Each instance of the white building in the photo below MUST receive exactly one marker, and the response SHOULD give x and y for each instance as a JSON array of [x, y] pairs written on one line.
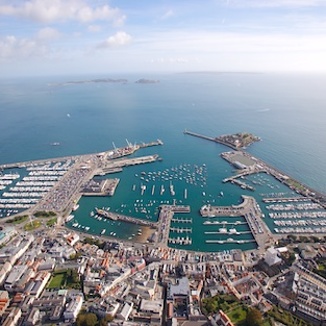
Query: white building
[[271, 257], [4, 270], [14, 276], [73, 308], [125, 311], [13, 317]]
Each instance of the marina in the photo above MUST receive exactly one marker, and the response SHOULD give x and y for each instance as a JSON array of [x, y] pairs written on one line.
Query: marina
[[180, 240], [253, 215], [291, 149], [159, 195]]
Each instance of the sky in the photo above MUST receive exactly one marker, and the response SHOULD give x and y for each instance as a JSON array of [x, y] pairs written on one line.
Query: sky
[[53, 37]]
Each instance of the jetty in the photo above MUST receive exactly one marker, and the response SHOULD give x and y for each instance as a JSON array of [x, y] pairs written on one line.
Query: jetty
[[187, 132], [119, 217], [234, 141], [250, 210], [163, 228], [154, 143], [250, 165], [56, 184]]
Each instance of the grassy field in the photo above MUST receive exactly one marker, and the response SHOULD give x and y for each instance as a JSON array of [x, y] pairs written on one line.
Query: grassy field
[[67, 279], [57, 281], [238, 314], [51, 222], [32, 225]]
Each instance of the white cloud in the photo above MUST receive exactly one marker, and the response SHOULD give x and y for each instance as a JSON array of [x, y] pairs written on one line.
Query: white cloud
[[47, 11], [12, 48], [203, 42], [233, 51], [47, 33], [117, 40]]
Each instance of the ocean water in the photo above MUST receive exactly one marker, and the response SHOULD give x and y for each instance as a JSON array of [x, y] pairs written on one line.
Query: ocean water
[[287, 111]]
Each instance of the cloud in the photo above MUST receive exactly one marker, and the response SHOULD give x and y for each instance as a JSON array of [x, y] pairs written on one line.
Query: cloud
[[47, 33], [117, 40], [12, 48], [216, 42], [48, 11]]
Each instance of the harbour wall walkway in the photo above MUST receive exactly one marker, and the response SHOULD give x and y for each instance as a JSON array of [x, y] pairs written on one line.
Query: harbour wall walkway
[[216, 140], [261, 166]]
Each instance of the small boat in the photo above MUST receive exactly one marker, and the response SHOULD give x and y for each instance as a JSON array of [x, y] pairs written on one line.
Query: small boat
[[162, 190], [103, 231], [69, 218], [233, 231]]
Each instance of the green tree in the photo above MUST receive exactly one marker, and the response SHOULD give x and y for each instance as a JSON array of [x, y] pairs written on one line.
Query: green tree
[[86, 319], [254, 317], [104, 321]]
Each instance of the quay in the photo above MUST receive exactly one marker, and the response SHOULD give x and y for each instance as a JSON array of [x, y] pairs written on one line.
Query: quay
[[101, 188], [109, 154], [187, 132], [125, 218], [27, 164], [216, 140], [120, 163], [253, 215], [110, 171], [180, 208], [153, 143], [71, 174], [242, 185], [256, 166], [165, 217]]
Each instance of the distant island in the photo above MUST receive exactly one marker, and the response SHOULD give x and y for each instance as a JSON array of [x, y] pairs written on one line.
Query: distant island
[[146, 81], [98, 80], [105, 80], [238, 140], [90, 81]]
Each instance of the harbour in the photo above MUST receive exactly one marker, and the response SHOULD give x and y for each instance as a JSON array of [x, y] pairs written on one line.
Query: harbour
[[179, 152], [168, 228]]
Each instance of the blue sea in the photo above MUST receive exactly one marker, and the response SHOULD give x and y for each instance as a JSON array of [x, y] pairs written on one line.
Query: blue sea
[[287, 111]]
